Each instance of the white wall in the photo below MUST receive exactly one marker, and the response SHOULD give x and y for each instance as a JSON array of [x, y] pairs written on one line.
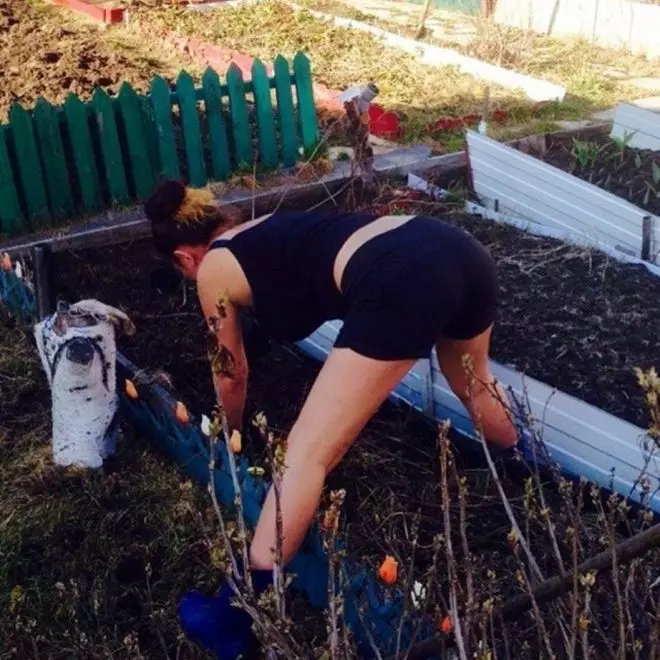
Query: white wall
[[613, 23]]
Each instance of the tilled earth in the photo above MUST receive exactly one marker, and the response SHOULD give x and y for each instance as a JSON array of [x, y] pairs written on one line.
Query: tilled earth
[[632, 174], [566, 315], [50, 52]]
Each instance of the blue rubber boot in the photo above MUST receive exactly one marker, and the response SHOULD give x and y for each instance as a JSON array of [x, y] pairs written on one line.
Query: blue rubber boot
[[219, 626]]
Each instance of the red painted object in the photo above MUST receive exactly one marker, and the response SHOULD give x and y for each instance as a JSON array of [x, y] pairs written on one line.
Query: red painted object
[[108, 15], [384, 124], [220, 59]]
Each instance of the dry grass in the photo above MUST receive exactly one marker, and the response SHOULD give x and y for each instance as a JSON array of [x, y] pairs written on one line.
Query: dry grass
[[340, 58], [90, 566], [595, 77]]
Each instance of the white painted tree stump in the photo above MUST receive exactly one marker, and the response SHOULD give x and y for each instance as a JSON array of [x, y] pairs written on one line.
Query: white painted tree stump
[[77, 347]]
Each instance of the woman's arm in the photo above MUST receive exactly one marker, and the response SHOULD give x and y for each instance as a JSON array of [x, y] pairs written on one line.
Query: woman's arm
[[230, 384]]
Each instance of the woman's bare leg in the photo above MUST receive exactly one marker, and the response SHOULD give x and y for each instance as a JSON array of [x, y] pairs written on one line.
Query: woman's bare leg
[[486, 402], [348, 391]]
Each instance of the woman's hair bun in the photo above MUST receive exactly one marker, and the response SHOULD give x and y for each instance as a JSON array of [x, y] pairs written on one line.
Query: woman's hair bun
[[166, 201]]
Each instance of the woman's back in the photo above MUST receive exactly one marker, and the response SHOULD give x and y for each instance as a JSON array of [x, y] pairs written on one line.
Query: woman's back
[[288, 260]]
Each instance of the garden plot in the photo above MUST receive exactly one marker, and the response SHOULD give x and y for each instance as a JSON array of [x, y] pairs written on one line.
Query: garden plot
[[49, 52], [391, 477], [597, 188], [341, 57]]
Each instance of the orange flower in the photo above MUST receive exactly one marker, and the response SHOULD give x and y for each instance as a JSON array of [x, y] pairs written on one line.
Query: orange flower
[[6, 262], [388, 570], [235, 442], [446, 624], [131, 391], [182, 413]]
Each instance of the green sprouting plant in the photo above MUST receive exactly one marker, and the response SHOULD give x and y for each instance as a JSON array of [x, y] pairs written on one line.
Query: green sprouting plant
[[655, 187], [622, 143], [585, 153]]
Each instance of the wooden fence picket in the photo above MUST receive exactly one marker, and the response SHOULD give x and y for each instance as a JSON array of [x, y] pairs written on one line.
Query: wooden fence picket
[[216, 125], [286, 113], [106, 125], [265, 118], [162, 107], [131, 112], [83, 153], [240, 117], [54, 160], [112, 150], [11, 215], [29, 166], [192, 132], [306, 110]]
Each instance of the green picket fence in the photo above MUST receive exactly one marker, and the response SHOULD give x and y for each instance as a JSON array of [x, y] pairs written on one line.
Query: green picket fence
[[86, 157]]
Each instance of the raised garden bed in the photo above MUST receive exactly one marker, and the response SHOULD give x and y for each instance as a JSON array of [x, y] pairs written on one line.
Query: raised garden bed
[[512, 181], [391, 475], [630, 173]]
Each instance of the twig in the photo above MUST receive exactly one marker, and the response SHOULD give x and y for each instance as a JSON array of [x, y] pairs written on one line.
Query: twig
[[453, 577], [556, 586]]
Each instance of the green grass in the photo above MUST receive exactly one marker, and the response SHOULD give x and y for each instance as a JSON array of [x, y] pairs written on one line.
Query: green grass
[[90, 566]]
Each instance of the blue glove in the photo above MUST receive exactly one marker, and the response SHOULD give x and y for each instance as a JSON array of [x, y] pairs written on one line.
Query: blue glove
[[217, 625]]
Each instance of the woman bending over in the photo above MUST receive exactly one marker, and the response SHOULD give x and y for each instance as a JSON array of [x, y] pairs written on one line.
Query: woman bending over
[[401, 285]]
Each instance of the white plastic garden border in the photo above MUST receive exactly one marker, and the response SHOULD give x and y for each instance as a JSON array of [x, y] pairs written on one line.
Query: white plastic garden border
[[584, 440], [638, 127], [535, 89], [517, 184]]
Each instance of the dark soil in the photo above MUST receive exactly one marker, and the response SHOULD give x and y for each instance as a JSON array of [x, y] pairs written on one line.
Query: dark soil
[[632, 174], [50, 52], [391, 475]]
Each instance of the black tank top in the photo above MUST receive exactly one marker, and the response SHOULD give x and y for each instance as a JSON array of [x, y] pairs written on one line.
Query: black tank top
[[288, 260]]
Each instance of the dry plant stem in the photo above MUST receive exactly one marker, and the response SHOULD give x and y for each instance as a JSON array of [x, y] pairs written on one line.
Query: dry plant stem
[[544, 638], [278, 565], [584, 628], [218, 512], [409, 583], [449, 553], [238, 501], [462, 491], [330, 541], [493, 470]]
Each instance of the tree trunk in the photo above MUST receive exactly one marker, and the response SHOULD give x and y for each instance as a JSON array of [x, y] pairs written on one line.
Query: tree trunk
[[77, 347]]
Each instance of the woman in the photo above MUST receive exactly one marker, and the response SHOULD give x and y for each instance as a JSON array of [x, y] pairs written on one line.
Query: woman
[[400, 284]]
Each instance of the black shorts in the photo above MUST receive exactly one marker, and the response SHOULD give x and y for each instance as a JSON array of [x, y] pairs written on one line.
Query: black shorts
[[409, 286]]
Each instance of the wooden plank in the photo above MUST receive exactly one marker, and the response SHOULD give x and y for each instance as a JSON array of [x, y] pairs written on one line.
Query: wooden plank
[[83, 153], [106, 123], [306, 106], [524, 185], [240, 120], [192, 131], [29, 166], [217, 126], [286, 113], [265, 118], [150, 133], [11, 215], [55, 165], [639, 128], [142, 175], [162, 107]]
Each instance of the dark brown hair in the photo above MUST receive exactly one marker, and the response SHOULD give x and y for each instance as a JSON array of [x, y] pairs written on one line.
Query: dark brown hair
[[180, 215]]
